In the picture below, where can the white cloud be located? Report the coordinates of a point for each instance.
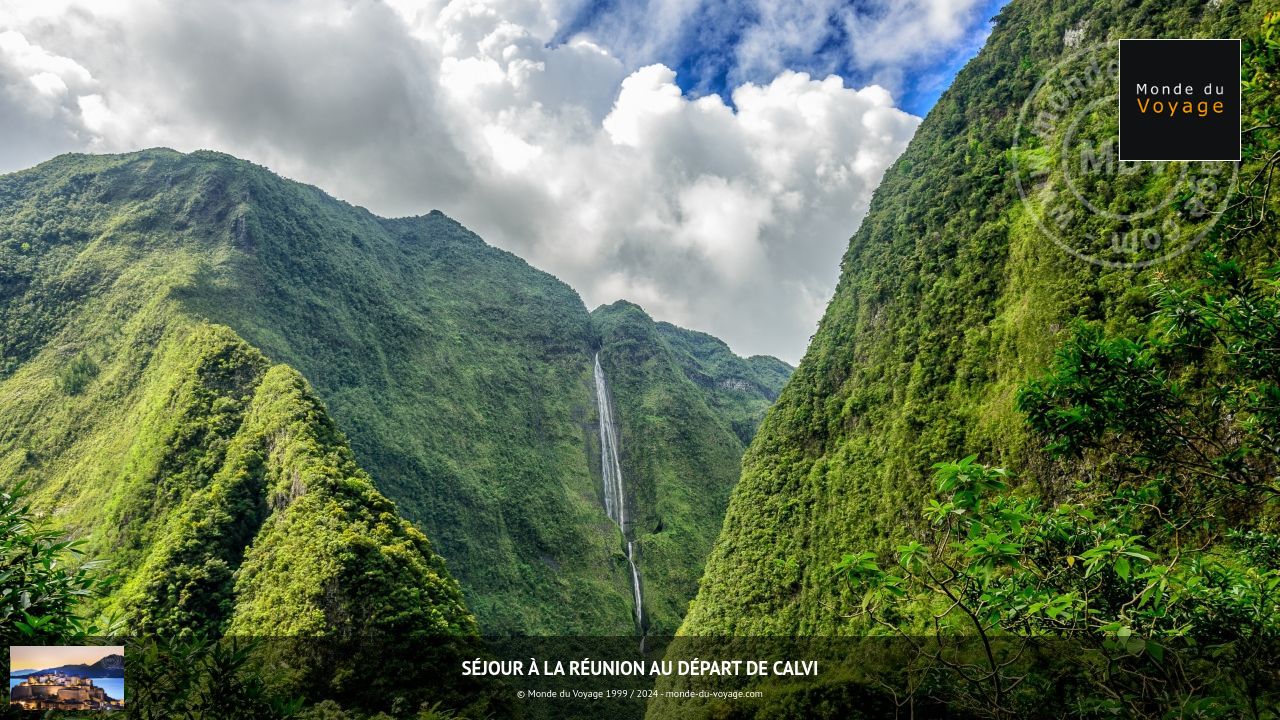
(725, 219)
(879, 35)
(39, 101)
(906, 34)
(899, 30)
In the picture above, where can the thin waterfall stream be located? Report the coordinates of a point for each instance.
(615, 497)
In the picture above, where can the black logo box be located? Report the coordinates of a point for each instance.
(1180, 65)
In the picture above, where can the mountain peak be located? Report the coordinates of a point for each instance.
(447, 381)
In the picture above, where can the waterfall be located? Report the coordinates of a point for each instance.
(615, 497)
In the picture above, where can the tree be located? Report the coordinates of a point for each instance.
(1143, 620)
(44, 580)
(187, 676)
(1154, 565)
(1142, 579)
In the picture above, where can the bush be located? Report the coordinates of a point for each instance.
(43, 580)
(77, 374)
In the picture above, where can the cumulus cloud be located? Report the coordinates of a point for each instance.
(905, 35)
(723, 214)
(42, 98)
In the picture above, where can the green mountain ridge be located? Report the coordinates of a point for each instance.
(949, 299)
(141, 296)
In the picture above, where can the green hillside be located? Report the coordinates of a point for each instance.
(738, 389)
(145, 300)
(950, 299)
(208, 458)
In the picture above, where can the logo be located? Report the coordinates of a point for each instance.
(1180, 100)
(1079, 192)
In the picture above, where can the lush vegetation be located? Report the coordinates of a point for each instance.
(950, 299)
(287, 537)
(48, 587)
(44, 580)
(193, 677)
(738, 389)
(1129, 567)
(1161, 562)
(141, 296)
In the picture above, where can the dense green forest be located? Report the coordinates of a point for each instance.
(950, 300)
(1049, 484)
(190, 343)
(1032, 485)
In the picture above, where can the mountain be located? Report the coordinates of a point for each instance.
(222, 380)
(949, 299)
(737, 389)
(111, 666)
(235, 501)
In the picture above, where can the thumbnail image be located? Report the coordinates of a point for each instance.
(67, 677)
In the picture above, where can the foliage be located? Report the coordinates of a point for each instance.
(949, 299)
(1211, 443)
(738, 389)
(333, 555)
(77, 374)
(1159, 556)
(288, 536)
(1260, 145)
(329, 710)
(199, 679)
(460, 375)
(1164, 618)
(43, 579)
